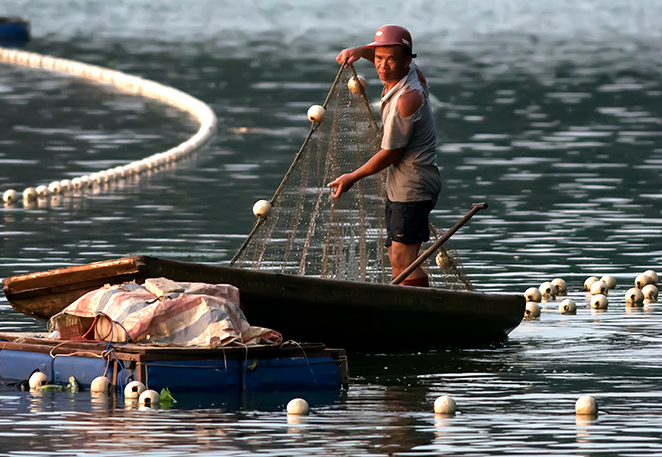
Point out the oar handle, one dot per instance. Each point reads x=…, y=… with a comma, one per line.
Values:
x=475, y=207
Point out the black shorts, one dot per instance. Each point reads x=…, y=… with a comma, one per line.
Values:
x=407, y=223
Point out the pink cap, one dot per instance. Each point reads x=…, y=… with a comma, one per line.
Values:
x=392, y=35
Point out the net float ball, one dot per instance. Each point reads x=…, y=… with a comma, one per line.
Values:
x=567, y=306
x=37, y=379
x=641, y=280
x=76, y=183
x=100, y=385
x=634, y=296
x=532, y=310
x=547, y=290
x=149, y=399
x=599, y=302
x=65, y=185
x=651, y=274
x=609, y=280
x=9, y=196
x=650, y=293
x=532, y=294
x=316, y=113
x=357, y=84
x=133, y=390
x=297, y=407
x=599, y=288
x=55, y=187
x=589, y=281
x=42, y=191
x=586, y=406
x=29, y=194
x=262, y=209
x=561, y=286
x=444, y=405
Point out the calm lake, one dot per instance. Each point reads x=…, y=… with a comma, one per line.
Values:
x=551, y=112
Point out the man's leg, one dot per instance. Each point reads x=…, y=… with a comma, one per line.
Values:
x=401, y=256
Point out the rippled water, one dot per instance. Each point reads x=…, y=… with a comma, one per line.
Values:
x=549, y=112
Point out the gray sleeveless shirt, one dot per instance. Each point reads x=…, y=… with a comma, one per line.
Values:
x=416, y=176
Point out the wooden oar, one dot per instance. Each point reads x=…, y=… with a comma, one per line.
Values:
x=475, y=207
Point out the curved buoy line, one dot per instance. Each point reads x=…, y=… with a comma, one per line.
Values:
x=128, y=83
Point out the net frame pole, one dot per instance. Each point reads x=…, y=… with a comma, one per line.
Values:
x=313, y=127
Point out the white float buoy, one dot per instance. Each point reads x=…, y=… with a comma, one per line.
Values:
x=149, y=399
x=9, y=197
x=37, y=379
x=561, y=286
x=568, y=306
x=547, y=290
x=599, y=302
x=133, y=390
x=634, y=296
x=609, y=280
x=316, y=113
x=444, y=405
x=262, y=208
x=29, y=194
x=586, y=406
x=650, y=293
x=100, y=385
x=76, y=183
x=55, y=187
x=651, y=274
x=42, y=191
x=65, y=185
x=532, y=294
x=641, y=280
x=357, y=84
x=532, y=310
x=297, y=407
x=587, y=283
x=85, y=181
x=599, y=288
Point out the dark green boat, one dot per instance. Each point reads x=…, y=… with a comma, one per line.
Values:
x=346, y=314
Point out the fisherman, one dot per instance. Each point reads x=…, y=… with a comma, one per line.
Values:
x=408, y=149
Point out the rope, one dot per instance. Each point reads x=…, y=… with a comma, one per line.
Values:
x=128, y=83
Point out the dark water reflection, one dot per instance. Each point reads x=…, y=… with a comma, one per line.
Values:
x=550, y=113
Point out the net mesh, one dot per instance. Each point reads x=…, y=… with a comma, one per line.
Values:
x=310, y=233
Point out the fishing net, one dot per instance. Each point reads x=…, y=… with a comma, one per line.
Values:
x=310, y=233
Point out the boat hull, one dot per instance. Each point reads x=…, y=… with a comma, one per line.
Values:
x=341, y=313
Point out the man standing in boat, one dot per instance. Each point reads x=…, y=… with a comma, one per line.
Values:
x=408, y=149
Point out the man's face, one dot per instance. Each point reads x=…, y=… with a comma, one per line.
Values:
x=392, y=63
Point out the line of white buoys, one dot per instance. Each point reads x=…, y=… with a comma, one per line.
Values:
x=644, y=292
x=128, y=83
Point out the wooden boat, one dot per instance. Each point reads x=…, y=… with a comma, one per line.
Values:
x=340, y=313
x=228, y=370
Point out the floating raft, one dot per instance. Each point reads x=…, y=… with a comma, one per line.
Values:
x=347, y=314
x=228, y=370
